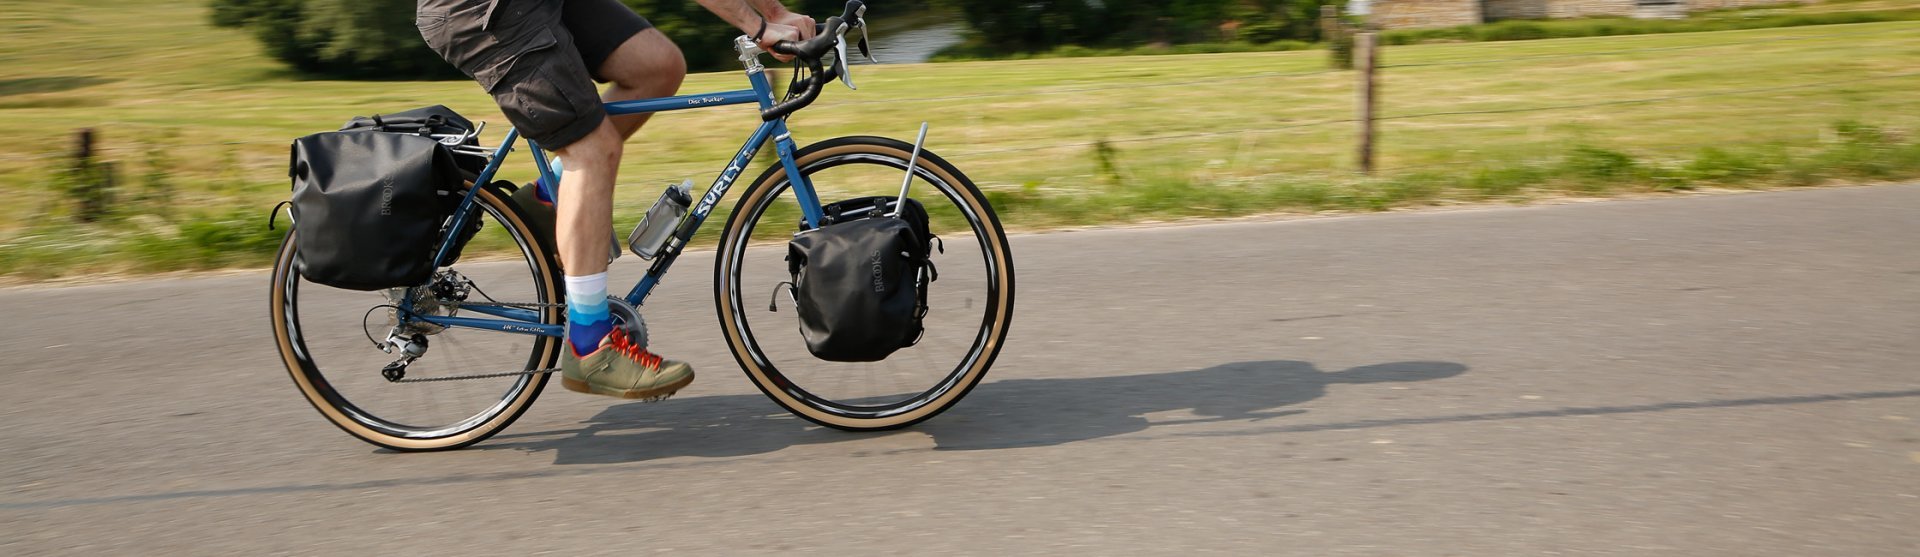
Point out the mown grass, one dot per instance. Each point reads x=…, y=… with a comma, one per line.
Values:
x=970, y=51
x=1833, y=12
x=1186, y=136
x=1751, y=18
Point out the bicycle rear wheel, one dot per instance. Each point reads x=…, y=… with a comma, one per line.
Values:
x=971, y=305
x=329, y=340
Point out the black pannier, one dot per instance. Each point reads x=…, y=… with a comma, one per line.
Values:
x=370, y=202
x=860, y=280
x=436, y=120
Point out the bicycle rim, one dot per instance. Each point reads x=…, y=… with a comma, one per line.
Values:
x=971, y=303
x=323, y=338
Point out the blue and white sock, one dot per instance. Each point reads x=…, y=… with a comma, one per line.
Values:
x=587, y=318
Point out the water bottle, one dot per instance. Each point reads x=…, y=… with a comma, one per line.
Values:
x=549, y=182
x=661, y=220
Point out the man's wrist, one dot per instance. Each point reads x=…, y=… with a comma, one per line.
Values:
x=773, y=10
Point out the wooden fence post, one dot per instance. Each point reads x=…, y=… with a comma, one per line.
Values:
x=1367, y=56
x=87, y=182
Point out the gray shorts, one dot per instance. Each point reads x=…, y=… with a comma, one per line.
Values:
x=538, y=58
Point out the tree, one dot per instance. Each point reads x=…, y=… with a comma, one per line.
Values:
x=1037, y=25
x=337, y=38
x=377, y=38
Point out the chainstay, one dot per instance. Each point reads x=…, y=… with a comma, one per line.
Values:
x=522, y=305
x=476, y=376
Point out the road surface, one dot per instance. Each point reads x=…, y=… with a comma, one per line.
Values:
x=1715, y=375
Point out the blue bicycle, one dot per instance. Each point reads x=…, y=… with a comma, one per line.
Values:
x=466, y=353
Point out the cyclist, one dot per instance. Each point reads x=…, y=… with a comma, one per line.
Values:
x=539, y=59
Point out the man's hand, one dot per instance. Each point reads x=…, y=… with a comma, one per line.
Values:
x=777, y=32
x=803, y=23
x=781, y=25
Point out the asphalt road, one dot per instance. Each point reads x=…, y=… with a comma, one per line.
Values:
x=1717, y=375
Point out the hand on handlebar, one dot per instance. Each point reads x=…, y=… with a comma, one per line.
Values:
x=777, y=32
x=804, y=24
x=811, y=51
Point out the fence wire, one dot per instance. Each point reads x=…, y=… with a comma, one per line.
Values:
x=1640, y=50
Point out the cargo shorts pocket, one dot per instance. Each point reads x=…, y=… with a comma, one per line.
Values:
x=487, y=55
x=430, y=23
x=550, y=104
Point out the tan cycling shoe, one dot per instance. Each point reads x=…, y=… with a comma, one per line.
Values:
x=621, y=369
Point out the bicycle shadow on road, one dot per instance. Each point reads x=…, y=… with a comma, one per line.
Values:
x=1041, y=412
x=996, y=415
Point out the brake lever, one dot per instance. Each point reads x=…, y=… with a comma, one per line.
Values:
x=840, y=61
x=863, y=42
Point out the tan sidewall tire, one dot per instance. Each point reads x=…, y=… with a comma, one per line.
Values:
x=283, y=271
x=969, y=194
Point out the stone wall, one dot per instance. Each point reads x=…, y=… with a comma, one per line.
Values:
x=1496, y=10
x=1403, y=14
x=1704, y=5
x=1557, y=9
x=1409, y=14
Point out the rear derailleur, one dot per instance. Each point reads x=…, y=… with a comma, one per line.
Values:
x=408, y=337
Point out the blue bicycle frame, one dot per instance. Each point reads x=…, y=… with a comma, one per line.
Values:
x=525, y=321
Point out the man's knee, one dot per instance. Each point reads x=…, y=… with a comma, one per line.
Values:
x=648, y=61
x=598, y=150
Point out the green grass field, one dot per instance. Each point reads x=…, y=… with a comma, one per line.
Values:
x=1180, y=136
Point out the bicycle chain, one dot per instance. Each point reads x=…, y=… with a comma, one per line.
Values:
x=521, y=305
x=476, y=376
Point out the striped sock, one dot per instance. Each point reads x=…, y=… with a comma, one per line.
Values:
x=587, y=318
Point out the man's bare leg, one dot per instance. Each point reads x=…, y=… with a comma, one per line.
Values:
x=647, y=66
x=600, y=359
x=584, y=209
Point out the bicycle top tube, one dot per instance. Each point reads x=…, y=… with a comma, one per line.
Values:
x=682, y=102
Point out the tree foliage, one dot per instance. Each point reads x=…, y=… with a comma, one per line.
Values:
x=377, y=38
x=337, y=38
x=1035, y=25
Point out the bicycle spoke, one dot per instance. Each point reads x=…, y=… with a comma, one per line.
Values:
x=453, y=389
x=912, y=383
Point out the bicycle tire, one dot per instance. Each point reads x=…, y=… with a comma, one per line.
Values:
x=336, y=407
x=930, y=169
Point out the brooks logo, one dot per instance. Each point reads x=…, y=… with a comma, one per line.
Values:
x=386, y=199
x=879, y=283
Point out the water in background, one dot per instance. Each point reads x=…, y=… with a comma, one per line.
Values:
x=912, y=45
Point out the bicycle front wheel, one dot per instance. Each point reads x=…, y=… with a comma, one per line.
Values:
x=970, y=305
x=330, y=340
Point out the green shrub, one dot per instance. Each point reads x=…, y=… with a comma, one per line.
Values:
x=1513, y=31
x=1004, y=28
x=1599, y=164
x=1504, y=181
x=1712, y=164
x=337, y=38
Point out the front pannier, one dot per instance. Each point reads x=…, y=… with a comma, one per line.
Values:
x=860, y=280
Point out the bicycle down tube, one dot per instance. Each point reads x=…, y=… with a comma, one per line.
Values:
x=525, y=321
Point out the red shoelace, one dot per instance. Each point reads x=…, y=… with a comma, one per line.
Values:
x=625, y=346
